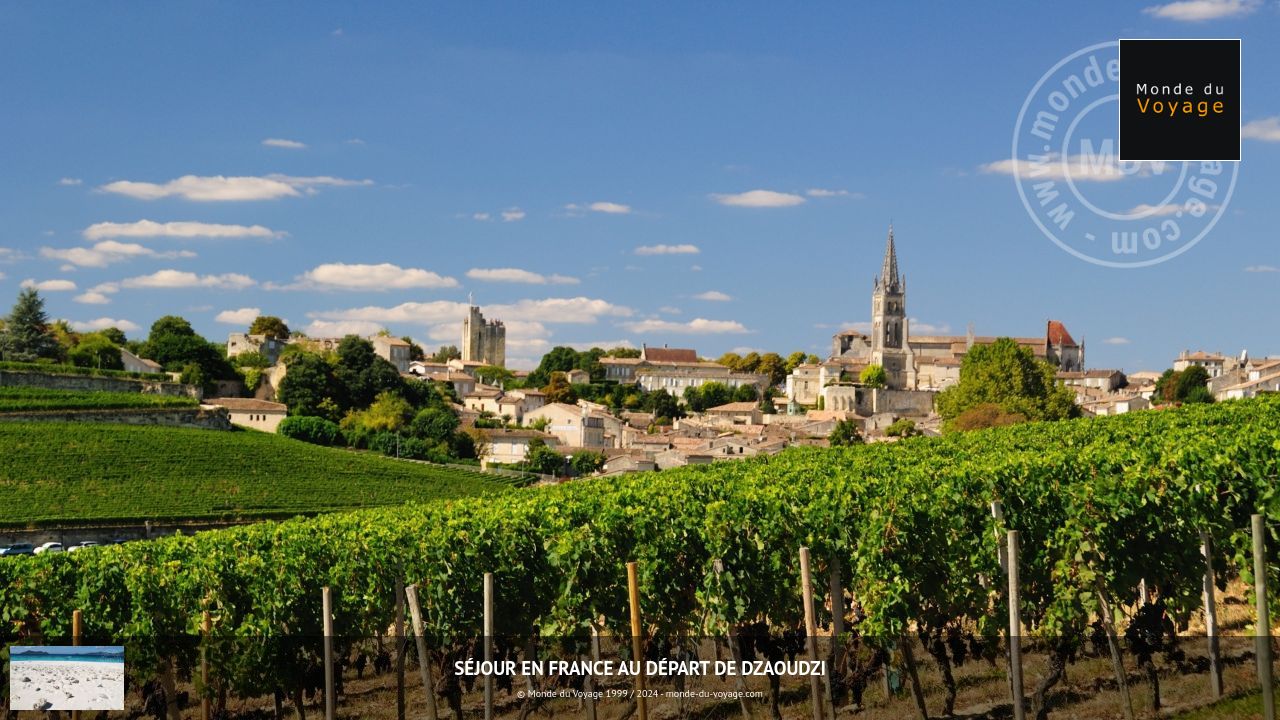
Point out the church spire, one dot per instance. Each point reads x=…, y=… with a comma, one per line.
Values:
x=889, y=278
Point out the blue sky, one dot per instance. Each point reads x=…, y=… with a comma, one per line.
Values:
x=583, y=171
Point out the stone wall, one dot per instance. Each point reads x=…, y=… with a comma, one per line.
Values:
x=89, y=383
x=204, y=417
x=902, y=402
x=105, y=532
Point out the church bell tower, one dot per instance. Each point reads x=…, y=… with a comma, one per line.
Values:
x=889, y=348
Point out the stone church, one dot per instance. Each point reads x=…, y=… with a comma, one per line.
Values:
x=913, y=362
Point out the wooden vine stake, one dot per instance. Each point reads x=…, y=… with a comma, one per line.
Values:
x=1264, y=619
x=1015, y=627
x=637, y=639
x=330, y=701
x=206, y=628
x=400, y=648
x=488, y=644
x=77, y=633
x=1211, y=616
x=835, y=594
x=811, y=631
x=1116, y=663
x=424, y=663
x=739, y=684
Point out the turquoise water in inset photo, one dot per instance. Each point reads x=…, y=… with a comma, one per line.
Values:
x=65, y=653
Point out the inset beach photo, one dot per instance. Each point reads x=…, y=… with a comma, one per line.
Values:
x=58, y=677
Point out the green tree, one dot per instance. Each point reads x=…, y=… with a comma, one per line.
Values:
x=416, y=353
x=311, y=388
x=1010, y=377
x=709, y=395
x=558, y=390
x=493, y=375
x=774, y=366
x=115, y=335
x=269, y=325
x=445, y=354
x=434, y=423
x=65, y=335
x=388, y=413
x=251, y=359
x=902, y=427
x=27, y=335
x=364, y=374
x=745, y=393
x=95, y=350
x=559, y=359
x=795, y=360
x=175, y=345
x=542, y=459
x=985, y=415
x=1192, y=386
x=845, y=433
x=873, y=376
x=663, y=405
x=586, y=462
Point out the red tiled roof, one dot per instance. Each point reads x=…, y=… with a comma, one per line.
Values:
x=247, y=404
x=669, y=354
x=1058, y=334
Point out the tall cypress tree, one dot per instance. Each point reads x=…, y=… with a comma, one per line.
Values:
x=26, y=336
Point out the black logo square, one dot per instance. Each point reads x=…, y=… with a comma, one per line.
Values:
x=1179, y=100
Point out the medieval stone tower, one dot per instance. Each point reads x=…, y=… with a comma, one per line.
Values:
x=889, y=347
x=483, y=340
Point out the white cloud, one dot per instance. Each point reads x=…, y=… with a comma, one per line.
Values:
x=354, y=141
x=107, y=252
x=92, y=297
x=668, y=309
x=70, y=181
x=103, y=323
x=610, y=207
x=1267, y=129
x=825, y=193
x=516, y=275
x=603, y=344
x=481, y=216
x=1116, y=341
x=179, y=279
x=575, y=310
x=243, y=316
x=150, y=228
x=341, y=328
x=1080, y=168
x=49, y=285
x=713, y=296
x=1262, y=269
x=283, y=143
x=1197, y=10
x=758, y=199
x=384, y=276
x=697, y=326
x=2, y=276
x=512, y=214
x=1162, y=210
x=667, y=250
x=219, y=188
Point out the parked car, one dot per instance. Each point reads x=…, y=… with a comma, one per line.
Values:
x=18, y=549
x=52, y=547
x=82, y=545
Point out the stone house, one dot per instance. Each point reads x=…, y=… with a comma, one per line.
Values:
x=247, y=412
x=510, y=447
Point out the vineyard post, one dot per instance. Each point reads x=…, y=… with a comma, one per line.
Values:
x=326, y=605
x=1264, y=618
x=1211, y=615
x=1015, y=629
x=488, y=644
x=739, y=684
x=836, y=594
x=424, y=663
x=1117, y=664
x=206, y=627
x=909, y=659
x=400, y=648
x=811, y=632
x=637, y=641
x=1002, y=556
x=591, y=676
x=77, y=632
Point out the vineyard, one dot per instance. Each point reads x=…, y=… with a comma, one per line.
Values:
x=76, y=370
x=63, y=473
x=26, y=399
x=1102, y=506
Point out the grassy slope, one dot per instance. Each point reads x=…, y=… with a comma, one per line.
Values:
x=70, y=472
x=24, y=399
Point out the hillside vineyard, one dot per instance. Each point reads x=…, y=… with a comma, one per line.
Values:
x=1101, y=504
